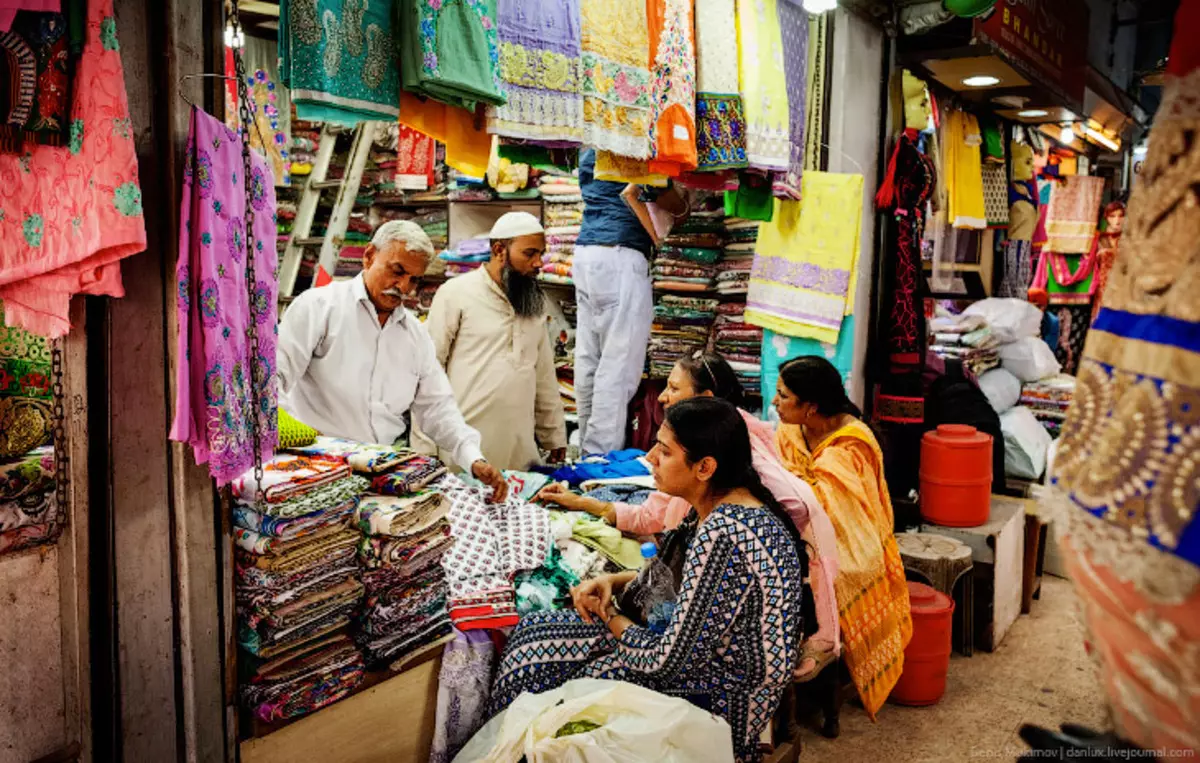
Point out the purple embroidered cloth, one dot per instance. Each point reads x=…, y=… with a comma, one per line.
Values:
x=793, y=25
x=216, y=387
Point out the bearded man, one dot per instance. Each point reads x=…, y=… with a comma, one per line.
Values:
x=489, y=328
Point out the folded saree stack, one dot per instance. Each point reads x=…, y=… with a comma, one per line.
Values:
x=681, y=327
x=297, y=584
x=562, y=215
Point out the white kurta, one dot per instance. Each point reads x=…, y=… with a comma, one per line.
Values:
x=343, y=373
x=501, y=368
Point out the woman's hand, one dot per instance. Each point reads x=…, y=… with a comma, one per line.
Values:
x=556, y=493
x=592, y=597
x=559, y=494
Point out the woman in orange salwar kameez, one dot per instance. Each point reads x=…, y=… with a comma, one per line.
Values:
x=823, y=441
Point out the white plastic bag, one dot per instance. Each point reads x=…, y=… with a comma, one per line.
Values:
x=1026, y=444
x=1003, y=390
x=1009, y=319
x=1029, y=360
x=636, y=726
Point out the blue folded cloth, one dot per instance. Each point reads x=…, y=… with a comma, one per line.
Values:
x=614, y=465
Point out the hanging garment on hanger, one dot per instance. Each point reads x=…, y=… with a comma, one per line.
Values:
x=540, y=71
x=616, y=77
x=1073, y=213
x=763, y=85
x=673, y=70
x=70, y=213
x=450, y=51
x=964, y=171
x=219, y=397
x=720, y=119
x=338, y=59
x=793, y=26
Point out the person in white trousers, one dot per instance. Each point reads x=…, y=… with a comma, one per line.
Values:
x=615, y=299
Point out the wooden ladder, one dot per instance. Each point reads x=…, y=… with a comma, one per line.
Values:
x=347, y=191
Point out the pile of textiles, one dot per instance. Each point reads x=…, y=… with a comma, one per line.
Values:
x=681, y=327
x=306, y=140
x=560, y=189
x=363, y=459
x=297, y=584
x=740, y=343
x=969, y=340
x=560, y=249
x=404, y=540
x=30, y=513
x=350, y=261
x=285, y=217
x=626, y=465
x=467, y=256
x=492, y=543
x=464, y=188
x=1049, y=400
x=733, y=274
x=434, y=220
x=684, y=268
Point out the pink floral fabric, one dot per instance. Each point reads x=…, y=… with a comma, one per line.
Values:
x=216, y=387
x=69, y=214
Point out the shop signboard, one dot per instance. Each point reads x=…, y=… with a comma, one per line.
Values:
x=1046, y=40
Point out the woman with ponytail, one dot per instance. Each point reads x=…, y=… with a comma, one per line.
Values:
x=707, y=374
x=730, y=645
x=823, y=441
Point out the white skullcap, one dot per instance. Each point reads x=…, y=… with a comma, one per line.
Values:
x=513, y=224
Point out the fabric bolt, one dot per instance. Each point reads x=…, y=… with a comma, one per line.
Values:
x=71, y=212
x=320, y=498
x=297, y=684
x=415, y=157
x=1072, y=215
x=615, y=309
x=405, y=558
x=362, y=458
x=338, y=59
x=398, y=516
x=411, y=476
x=616, y=77
x=673, y=90
x=763, y=85
x=335, y=372
x=806, y=259
x=501, y=368
x=1123, y=478
x=290, y=528
x=293, y=555
x=846, y=473
x=720, y=117
x=964, y=170
x=540, y=71
x=730, y=645
x=288, y=476
x=226, y=385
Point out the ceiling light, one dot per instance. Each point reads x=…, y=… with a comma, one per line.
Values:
x=981, y=80
x=1030, y=113
x=1067, y=135
x=1102, y=139
x=819, y=6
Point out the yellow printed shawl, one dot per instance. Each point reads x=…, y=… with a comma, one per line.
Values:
x=846, y=472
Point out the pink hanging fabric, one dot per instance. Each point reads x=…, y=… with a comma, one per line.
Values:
x=69, y=214
x=9, y=8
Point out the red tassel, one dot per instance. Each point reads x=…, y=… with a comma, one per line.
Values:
x=886, y=196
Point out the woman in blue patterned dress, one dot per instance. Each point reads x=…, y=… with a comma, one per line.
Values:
x=731, y=644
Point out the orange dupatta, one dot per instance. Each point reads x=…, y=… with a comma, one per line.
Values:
x=846, y=473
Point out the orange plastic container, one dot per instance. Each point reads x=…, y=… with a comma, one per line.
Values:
x=927, y=657
x=956, y=476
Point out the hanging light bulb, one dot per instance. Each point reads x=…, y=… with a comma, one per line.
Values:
x=819, y=6
x=1068, y=134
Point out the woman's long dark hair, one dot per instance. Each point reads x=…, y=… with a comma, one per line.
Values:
x=813, y=379
x=706, y=426
x=711, y=373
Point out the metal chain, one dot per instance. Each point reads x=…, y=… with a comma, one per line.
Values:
x=60, y=427
x=257, y=373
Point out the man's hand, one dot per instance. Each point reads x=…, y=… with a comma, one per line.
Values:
x=558, y=455
x=491, y=476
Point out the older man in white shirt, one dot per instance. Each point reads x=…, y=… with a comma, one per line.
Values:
x=352, y=361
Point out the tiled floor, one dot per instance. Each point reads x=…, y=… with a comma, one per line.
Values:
x=1039, y=675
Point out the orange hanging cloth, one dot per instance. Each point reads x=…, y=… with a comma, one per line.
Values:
x=673, y=70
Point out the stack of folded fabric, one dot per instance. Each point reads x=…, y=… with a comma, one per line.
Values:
x=562, y=189
x=349, y=262
x=492, y=543
x=978, y=349
x=464, y=188
x=740, y=344
x=562, y=218
x=297, y=584
x=467, y=256
x=404, y=540
x=285, y=217
x=1049, y=400
x=685, y=268
x=306, y=138
x=681, y=327
x=733, y=274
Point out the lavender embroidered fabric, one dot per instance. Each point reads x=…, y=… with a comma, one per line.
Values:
x=464, y=687
x=793, y=25
x=215, y=382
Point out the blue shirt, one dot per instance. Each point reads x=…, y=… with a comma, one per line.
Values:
x=607, y=219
